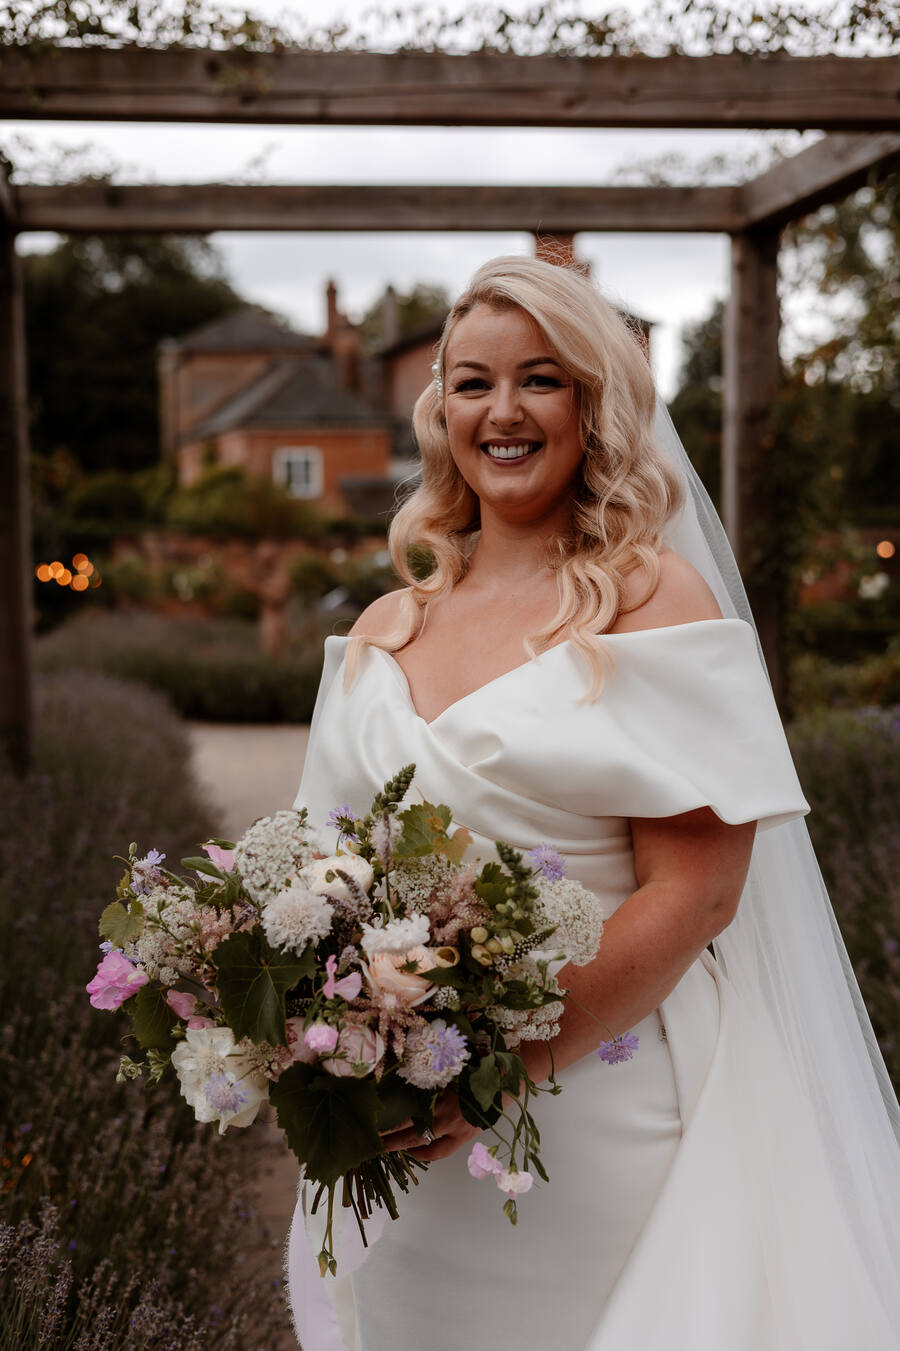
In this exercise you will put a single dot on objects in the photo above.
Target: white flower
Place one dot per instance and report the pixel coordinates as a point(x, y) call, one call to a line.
point(296, 917)
point(416, 881)
point(217, 1078)
point(270, 854)
point(384, 834)
point(577, 915)
point(358, 868)
point(433, 1056)
point(398, 935)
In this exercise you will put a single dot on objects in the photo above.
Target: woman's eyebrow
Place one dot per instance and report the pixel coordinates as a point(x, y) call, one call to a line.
point(522, 366)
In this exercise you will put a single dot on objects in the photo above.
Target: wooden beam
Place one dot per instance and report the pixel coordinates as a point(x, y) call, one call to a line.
point(825, 172)
point(204, 208)
point(752, 374)
point(15, 518)
point(432, 89)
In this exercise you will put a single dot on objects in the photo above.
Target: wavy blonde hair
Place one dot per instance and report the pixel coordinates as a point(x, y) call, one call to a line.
point(625, 491)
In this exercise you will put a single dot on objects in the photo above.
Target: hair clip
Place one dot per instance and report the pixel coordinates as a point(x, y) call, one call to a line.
point(438, 378)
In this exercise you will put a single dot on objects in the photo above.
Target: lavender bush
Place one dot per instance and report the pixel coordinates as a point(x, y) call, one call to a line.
point(123, 1225)
point(849, 765)
point(209, 668)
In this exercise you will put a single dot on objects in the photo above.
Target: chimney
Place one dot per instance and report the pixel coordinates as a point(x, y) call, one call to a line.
point(390, 318)
point(332, 312)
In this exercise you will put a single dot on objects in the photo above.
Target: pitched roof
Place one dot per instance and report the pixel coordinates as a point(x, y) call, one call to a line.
point(250, 329)
point(293, 392)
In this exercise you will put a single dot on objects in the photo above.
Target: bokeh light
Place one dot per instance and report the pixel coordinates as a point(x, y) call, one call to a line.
point(78, 560)
point(43, 573)
point(56, 570)
point(63, 578)
point(80, 583)
point(885, 548)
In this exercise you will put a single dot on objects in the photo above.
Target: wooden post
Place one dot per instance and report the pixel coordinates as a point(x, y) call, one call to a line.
point(752, 374)
point(15, 516)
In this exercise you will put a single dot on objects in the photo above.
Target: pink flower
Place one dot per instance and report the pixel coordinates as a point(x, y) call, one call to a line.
point(481, 1162)
point(116, 980)
point(348, 986)
point(296, 1044)
point(180, 1003)
point(514, 1183)
point(321, 1038)
point(194, 1023)
point(222, 858)
point(360, 1045)
point(386, 975)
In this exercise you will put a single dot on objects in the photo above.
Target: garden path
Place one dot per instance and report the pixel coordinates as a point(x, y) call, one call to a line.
point(246, 772)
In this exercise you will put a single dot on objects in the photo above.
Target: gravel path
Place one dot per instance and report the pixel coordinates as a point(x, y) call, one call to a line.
point(246, 772)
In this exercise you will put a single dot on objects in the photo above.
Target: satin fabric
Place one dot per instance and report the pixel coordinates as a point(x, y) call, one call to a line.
point(689, 1206)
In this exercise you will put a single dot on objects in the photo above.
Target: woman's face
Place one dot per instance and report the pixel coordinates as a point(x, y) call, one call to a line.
point(512, 415)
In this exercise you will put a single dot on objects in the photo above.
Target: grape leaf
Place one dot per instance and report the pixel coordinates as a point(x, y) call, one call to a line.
point(122, 926)
point(329, 1120)
point(152, 1018)
point(423, 826)
point(253, 979)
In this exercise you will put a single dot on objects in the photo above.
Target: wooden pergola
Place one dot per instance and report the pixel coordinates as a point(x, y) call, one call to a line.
point(856, 101)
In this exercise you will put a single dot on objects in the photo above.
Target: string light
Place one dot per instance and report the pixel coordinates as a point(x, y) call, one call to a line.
point(43, 573)
point(885, 549)
point(80, 583)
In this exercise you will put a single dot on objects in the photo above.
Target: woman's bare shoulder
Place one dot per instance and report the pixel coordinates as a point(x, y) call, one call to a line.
point(681, 597)
point(382, 616)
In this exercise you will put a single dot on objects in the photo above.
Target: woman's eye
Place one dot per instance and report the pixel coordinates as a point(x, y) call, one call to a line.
point(472, 383)
point(544, 380)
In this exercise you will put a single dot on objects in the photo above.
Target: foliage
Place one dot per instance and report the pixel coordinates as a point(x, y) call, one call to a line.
point(209, 669)
point(818, 683)
point(849, 765)
point(121, 1214)
point(696, 409)
point(695, 27)
point(96, 308)
point(229, 503)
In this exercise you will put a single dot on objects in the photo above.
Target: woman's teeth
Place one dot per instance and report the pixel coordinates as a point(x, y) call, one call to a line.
point(498, 452)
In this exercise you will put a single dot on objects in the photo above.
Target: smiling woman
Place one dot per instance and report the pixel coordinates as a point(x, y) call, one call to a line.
point(735, 1184)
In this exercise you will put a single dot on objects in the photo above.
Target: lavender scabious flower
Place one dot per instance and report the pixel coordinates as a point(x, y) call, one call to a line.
point(546, 860)
point(620, 1048)
point(448, 1048)
point(337, 816)
point(224, 1096)
point(146, 872)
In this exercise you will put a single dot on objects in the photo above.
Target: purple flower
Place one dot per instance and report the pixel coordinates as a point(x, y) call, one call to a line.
point(224, 1096)
point(547, 861)
point(481, 1162)
point(448, 1048)
point(620, 1048)
point(339, 814)
point(146, 872)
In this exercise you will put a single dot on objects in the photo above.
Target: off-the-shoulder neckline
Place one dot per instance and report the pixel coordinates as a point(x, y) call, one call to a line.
point(522, 665)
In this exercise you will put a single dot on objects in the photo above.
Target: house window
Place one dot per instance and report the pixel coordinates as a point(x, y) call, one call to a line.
point(299, 469)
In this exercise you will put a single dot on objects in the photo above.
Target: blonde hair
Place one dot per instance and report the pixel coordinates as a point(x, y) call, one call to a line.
point(625, 492)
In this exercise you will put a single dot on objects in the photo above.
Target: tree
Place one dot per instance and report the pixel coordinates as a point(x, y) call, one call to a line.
point(696, 409)
point(96, 309)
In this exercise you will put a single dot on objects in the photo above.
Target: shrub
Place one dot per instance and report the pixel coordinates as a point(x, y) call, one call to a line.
point(225, 502)
point(849, 765)
point(817, 683)
point(210, 669)
point(125, 1224)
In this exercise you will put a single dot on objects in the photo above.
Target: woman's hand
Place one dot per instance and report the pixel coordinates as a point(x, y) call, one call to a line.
point(451, 1131)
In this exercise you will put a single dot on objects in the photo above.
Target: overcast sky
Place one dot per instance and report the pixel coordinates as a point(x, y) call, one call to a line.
point(669, 279)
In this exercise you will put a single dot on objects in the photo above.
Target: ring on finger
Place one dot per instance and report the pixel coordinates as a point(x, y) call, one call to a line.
point(428, 1136)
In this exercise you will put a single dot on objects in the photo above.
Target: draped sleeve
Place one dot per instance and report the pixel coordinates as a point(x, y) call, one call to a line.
point(692, 722)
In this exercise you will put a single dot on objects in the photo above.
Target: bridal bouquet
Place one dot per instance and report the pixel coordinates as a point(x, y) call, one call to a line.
point(351, 989)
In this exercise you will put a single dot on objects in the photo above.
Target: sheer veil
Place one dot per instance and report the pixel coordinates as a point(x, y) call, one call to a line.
point(787, 961)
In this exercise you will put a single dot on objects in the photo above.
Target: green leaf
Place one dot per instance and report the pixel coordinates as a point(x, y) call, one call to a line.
point(152, 1019)
point(491, 884)
point(447, 975)
point(329, 1121)
point(122, 926)
point(253, 979)
point(512, 1071)
point(400, 1101)
point(424, 827)
point(454, 846)
point(470, 1109)
point(203, 865)
point(485, 1081)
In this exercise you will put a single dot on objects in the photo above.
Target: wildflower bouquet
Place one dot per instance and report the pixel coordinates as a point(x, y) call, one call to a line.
point(352, 989)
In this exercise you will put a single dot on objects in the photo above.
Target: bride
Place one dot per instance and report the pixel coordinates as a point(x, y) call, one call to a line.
point(580, 670)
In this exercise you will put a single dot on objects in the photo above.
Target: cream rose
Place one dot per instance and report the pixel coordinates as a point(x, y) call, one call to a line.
point(386, 975)
point(315, 875)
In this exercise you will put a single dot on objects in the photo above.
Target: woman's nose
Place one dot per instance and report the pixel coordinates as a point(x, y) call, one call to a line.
point(506, 404)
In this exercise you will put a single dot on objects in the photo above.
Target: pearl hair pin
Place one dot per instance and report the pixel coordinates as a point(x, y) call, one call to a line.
point(438, 378)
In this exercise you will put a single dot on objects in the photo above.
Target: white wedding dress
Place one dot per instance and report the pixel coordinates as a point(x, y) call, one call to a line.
point(690, 1205)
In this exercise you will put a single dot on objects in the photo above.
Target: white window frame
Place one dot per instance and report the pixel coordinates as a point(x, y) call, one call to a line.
point(311, 456)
